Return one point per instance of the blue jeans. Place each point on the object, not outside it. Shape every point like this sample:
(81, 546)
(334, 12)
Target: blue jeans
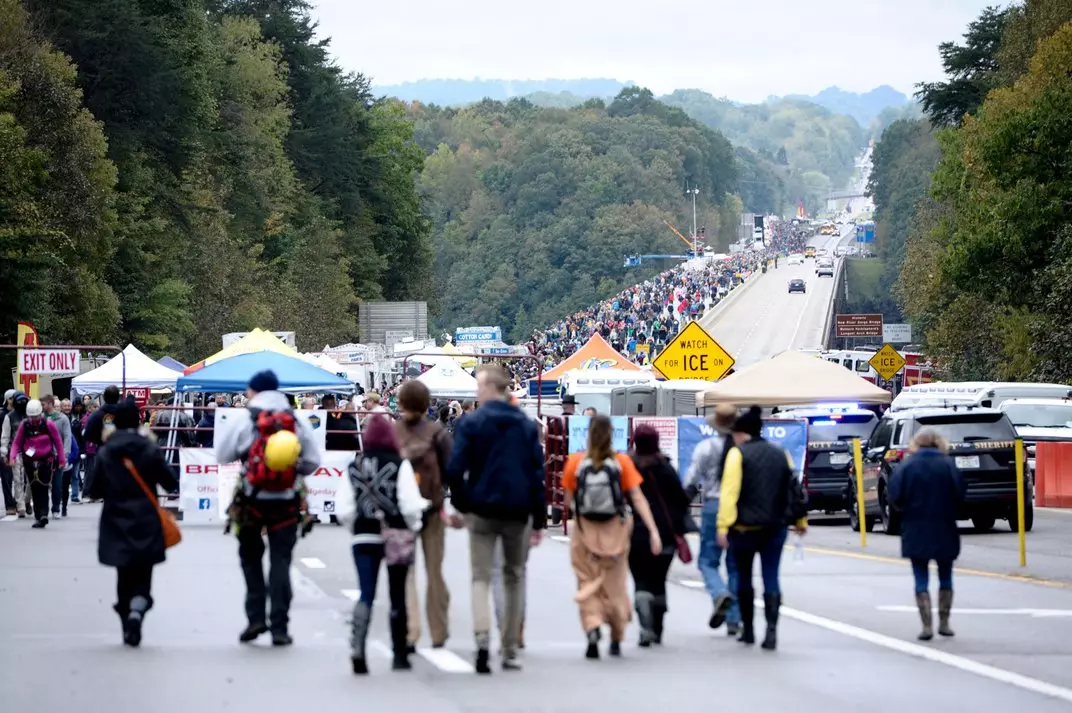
(768, 544)
(710, 558)
(923, 575)
(367, 559)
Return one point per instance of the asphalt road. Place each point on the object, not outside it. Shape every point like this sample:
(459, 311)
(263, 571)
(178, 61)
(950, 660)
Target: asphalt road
(847, 642)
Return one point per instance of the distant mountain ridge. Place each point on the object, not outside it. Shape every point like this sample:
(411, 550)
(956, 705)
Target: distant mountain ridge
(863, 107)
(453, 92)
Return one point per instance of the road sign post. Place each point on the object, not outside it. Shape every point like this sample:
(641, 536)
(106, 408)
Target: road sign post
(887, 362)
(693, 354)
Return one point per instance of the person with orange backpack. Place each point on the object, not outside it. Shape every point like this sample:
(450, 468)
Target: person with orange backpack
(276, 451)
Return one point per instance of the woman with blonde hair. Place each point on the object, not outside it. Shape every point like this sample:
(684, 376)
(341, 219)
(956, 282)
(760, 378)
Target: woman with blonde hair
(597, 483)
(927, 488)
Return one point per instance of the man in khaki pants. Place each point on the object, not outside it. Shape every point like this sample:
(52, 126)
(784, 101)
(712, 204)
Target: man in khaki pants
(426, 445)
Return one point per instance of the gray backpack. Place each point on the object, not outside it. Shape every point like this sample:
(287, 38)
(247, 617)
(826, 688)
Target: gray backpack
(599, 490)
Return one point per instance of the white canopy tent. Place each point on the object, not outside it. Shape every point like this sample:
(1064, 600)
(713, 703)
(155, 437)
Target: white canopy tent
(449, 381)
(792, 379)
(141, 372)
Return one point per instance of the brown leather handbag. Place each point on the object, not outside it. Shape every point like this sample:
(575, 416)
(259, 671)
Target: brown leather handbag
(172, 533)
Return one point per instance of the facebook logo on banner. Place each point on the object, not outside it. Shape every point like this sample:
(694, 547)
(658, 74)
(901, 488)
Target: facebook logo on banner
(204, 504)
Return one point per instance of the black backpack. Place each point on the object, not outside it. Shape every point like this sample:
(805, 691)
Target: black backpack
(599, 490)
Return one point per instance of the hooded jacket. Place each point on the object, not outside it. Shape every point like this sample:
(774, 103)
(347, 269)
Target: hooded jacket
(496, 467)
(237, 438)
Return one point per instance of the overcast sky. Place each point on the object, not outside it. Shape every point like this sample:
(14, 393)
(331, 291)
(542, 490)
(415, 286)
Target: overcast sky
(745, 50)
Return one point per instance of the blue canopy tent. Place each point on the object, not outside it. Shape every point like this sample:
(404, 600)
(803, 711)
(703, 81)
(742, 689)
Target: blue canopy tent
(233, 374)
(173, 364)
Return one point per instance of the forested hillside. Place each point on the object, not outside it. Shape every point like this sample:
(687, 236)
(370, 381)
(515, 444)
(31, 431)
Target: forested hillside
(864, 107)
(987, 267)
(534, 209)
(173, 171)
(459, 92)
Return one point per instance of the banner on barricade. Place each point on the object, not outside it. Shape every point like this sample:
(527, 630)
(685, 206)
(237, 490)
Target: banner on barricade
(666, 426)
(578, 433)
(790, 434)
(316, 420)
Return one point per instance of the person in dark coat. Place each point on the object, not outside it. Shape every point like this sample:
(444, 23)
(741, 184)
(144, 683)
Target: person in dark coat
(927, 489)
(131, 536)
(669, 508)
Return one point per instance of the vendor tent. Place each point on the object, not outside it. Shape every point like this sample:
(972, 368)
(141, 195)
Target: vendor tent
(258, 340)
(466, 359)
(595, 354)
(233, 374)
(173, 364)
(792, 379)
(140, 372)
(449, 381)
(446, 354)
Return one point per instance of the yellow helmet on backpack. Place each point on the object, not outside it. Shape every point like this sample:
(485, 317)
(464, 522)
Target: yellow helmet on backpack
(281, 450)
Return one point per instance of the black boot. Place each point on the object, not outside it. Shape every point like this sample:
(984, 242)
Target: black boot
(658, 612)
(122, 618)
(747, 602)
(358, 634)
(139, 605)
(398, 641)
(592, 652)
(771, 604)
(252, 631)
(644, 603)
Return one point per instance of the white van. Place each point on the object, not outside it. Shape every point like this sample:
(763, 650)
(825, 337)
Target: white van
(592, 387)
(999, 392)
(939, 394)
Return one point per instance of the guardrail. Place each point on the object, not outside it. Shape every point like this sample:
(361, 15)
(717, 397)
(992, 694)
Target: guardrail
(831, 307)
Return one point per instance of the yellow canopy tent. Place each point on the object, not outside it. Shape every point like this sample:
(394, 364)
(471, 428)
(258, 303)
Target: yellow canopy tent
(258, 340)
(466, 361)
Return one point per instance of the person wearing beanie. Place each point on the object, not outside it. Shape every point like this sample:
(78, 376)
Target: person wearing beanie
(389, 511)
(426, 445)
(704, 477)
(131, 537)
(661, 487)
(759, 496)
(278, 511)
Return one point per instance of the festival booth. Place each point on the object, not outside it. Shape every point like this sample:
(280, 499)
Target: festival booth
(449, 381)
(141, 376)
(595, 354)
(258, 340)
(792, 378)
(173, 364)
(447, 354)
(205, 486)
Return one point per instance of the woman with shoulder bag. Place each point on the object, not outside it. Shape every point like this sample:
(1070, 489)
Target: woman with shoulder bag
(126, 472)
(670, 508)
(387, 517)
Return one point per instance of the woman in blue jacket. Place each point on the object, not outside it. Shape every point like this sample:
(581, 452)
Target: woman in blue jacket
(927, 489)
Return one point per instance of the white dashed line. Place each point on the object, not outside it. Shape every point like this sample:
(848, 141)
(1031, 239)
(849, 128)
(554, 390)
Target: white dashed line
(352, 594)
(446, 660)
(560, 538)
(313, 563)
(692, 583)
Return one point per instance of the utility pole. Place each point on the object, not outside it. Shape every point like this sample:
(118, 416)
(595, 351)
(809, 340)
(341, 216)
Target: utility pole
(694, 192)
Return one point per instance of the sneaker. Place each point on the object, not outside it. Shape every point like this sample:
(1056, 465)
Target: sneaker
(733, 630)
(483, 661)
(592, 652)
(38, 524)
(281, 638)
(511, 663)
(721, 606)
(76, 500)
(252, 631)
(401, 663)
(63, 512)
(615, 648)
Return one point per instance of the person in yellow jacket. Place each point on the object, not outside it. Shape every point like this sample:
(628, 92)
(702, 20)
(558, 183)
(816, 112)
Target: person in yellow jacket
(760, 496)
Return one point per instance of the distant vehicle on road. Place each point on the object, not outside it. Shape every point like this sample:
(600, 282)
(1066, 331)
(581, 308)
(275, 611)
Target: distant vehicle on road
(809, 251)
(824, 266)
(796, 259)
(797, 285)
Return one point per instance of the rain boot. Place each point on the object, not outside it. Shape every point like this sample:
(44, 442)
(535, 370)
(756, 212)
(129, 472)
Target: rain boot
(747, 603)
(923, 603)
(771, 604)
(398, 641)
(945, 606)
(359, 625)
(658, 612)
(645, 604)
(139, 605)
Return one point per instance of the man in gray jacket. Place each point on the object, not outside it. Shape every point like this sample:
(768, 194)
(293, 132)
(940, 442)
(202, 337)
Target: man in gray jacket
(279, 511)
(63, 425)
(705, 477)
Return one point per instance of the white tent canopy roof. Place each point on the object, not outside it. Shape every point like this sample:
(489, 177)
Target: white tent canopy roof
(449, 381)
(792, 379)
(141, 372)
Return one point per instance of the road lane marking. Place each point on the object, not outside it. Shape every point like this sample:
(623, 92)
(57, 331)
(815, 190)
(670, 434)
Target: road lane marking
(692, 583)
(352, 594)
(446, 660)
(1035, 613)
(924, 652)
(306, 586)
(1021, 578)
(313, 563)
(560, 538)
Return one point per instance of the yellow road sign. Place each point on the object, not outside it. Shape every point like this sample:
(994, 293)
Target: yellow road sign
(887, 362)
(693, 354)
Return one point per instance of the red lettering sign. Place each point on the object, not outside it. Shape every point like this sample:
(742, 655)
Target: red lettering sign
(198, 469)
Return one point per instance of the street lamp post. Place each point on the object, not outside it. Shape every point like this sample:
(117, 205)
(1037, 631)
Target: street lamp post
(694, 192)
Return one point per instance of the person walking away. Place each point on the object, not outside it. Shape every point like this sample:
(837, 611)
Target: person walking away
(63, 425)
(427, 447)
(927, 489)
(495, 475)
(7, 479)
(276, 451)
(38, 446)
(598, 481)
(131, 537)
(76, 413)
(388, 514)
(661, 487)
(759, 496)
(99, 421)
(705, 477)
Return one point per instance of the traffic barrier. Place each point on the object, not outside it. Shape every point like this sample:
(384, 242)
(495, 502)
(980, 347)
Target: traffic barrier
(1053, 474)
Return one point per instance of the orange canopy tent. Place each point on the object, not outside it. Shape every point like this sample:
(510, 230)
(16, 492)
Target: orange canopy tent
(596, 354)
(256, 341)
